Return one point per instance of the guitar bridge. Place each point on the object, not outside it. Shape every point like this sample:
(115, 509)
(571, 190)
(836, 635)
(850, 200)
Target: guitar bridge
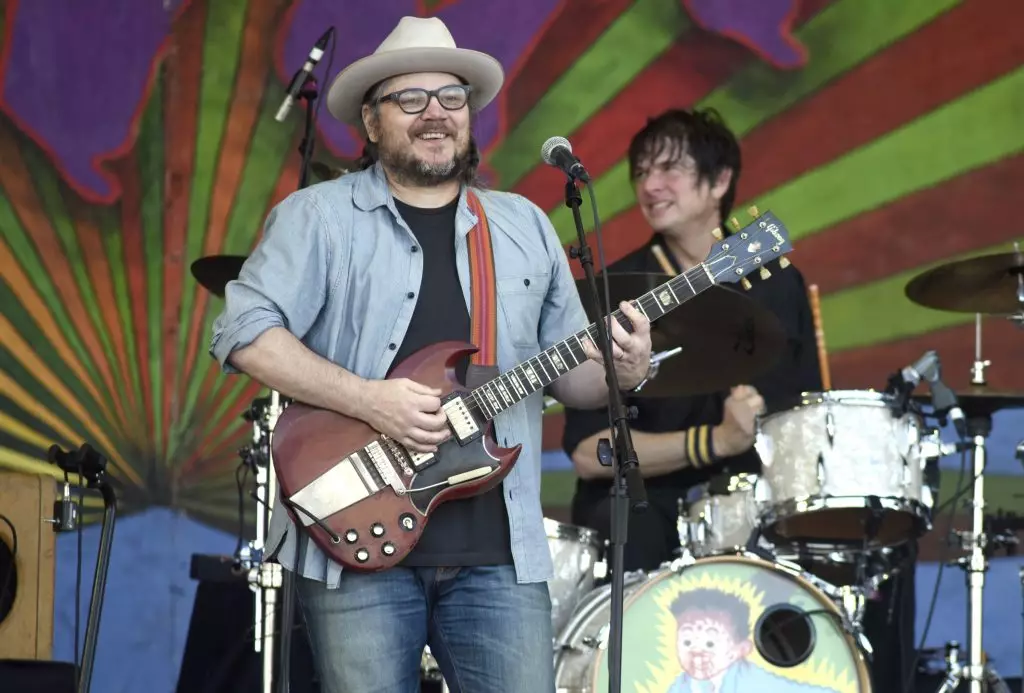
(464, 426)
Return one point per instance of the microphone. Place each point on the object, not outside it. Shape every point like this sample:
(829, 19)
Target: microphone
(557, 152)
(903, 382)
(944, 400)
(300, 77)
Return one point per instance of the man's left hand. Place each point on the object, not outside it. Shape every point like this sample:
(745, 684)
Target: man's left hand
(631, 352)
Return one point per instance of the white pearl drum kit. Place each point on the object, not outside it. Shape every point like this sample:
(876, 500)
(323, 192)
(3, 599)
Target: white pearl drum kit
(774, 569)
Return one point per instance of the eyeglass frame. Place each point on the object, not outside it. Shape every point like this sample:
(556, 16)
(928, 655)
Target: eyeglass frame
(467, 89)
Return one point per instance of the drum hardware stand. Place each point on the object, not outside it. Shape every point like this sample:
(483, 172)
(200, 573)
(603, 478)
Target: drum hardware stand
(627, 485)
(656, 360)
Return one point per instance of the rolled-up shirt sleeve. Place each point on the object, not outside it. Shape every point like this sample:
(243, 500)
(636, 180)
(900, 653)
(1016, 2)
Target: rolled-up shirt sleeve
(282, 284)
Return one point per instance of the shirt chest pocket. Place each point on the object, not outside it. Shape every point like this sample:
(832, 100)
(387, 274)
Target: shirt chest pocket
(521, 298)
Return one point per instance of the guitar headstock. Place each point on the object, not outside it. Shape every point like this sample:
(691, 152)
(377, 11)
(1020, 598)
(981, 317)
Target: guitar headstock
(748, 249)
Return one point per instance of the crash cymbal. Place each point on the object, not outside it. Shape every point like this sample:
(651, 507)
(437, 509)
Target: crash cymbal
(988, 284)
(215, 271)
(721, 337)
(977, 400)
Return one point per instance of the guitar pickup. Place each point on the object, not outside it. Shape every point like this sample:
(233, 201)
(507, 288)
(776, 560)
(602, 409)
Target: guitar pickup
(460, 418)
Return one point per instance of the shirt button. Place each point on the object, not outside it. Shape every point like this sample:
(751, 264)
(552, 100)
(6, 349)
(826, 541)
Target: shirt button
(410, 295)
(414, 249)
(392, 346)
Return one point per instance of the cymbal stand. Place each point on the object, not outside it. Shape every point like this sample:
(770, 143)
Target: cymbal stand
(976, 564)
(265, 577)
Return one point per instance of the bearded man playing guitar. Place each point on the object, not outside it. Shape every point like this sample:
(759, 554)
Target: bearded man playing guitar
(351, 278)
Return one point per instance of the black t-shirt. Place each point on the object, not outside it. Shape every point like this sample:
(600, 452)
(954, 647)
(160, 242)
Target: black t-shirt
(469, 531)
(785, 294)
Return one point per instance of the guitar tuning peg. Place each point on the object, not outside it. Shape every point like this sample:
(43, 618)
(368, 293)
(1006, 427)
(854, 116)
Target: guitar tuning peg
(735, 223)
(752, 211)
(745, 283)
(765, 274)
(783, 262)
(717, 233)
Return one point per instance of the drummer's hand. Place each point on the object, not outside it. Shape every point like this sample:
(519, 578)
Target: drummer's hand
(736, 432)
(632, 352)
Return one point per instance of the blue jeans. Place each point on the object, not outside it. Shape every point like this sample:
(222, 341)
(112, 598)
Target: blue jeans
(488, 633)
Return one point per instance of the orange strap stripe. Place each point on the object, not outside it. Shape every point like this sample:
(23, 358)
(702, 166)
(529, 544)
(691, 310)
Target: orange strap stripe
(483, 314)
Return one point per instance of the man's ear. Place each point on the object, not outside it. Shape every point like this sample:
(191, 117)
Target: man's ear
(370, 123)
(721, 183)
(744, 649)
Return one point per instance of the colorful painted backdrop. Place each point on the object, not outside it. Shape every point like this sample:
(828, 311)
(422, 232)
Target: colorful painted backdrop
(138, 137)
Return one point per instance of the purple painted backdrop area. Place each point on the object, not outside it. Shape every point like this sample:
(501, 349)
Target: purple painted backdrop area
(76, 76)
(758, 24)
(502, 28)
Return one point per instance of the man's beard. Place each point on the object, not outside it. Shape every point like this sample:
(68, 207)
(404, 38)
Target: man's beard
(408, 169)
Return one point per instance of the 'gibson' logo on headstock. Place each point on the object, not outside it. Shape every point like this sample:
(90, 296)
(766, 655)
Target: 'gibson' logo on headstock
(773, 230)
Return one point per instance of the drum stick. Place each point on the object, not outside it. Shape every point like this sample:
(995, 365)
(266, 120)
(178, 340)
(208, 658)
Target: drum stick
(663, 260)
(819, 336)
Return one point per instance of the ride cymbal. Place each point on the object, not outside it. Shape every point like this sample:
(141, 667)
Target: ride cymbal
(716, 340)
(215, 271)
(990, 284)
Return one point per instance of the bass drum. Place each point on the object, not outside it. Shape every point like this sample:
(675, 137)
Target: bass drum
(738, 621)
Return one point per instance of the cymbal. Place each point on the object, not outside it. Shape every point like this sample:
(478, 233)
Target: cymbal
(726, 338)
(977, 400)
(215, 271)
(986, 284)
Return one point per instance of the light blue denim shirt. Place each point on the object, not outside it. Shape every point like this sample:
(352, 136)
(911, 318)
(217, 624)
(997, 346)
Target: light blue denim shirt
(335, 267)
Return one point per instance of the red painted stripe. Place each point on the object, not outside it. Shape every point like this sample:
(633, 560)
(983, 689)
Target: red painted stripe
(955, 217)
(574, 29)
(232, 418)
(483, 292)
(182, 78)
(135, 267)
(906, 81)
(684, 75)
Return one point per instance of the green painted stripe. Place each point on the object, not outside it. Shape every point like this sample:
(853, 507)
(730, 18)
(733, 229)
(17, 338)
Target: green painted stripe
(110, 229)
(24, 251)
(879, 312)
(222, 47)
(634, 41)
(29, 330)
(51, 198)
(907, 160)
(149, 155)
(840, 37)
(269, 148)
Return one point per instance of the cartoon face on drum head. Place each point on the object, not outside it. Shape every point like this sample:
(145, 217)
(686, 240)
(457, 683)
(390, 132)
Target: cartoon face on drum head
(731, 624)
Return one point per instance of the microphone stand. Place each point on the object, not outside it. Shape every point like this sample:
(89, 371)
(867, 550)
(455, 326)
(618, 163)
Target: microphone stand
(627, 484)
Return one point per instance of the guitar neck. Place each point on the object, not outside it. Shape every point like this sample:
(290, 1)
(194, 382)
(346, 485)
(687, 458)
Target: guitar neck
(516, 384)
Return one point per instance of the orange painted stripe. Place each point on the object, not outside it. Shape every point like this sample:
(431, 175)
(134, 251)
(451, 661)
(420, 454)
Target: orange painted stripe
(255, 60)
(90, 239)
(483, 292)
(967, 212)
(19, 189)
(182, 76)
(11, 339)
(135, 267)
(232, 418)
(13, 274)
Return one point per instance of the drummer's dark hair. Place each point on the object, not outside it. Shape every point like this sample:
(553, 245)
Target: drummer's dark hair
(709, 601)
(470, 175)
(700, 133)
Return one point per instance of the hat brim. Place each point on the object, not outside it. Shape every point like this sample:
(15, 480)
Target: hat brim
(345, 97)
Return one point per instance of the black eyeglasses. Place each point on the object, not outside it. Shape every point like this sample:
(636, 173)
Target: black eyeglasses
(415, 100)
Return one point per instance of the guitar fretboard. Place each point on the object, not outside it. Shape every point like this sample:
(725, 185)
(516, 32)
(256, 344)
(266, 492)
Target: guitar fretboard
(516, 384)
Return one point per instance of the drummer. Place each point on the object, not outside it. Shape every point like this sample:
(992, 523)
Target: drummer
(685, 166)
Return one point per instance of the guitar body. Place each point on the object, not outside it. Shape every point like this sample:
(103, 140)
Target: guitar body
(337, 469)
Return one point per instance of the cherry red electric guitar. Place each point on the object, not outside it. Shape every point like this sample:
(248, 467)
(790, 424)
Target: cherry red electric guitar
(365, 499)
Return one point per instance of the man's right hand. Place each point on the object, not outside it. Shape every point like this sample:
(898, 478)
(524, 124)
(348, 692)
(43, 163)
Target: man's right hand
(736, 432)
(408, 412)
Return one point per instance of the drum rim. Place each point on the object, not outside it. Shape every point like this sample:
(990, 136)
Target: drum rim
(656, 576)
(554, 529)
(809, 398)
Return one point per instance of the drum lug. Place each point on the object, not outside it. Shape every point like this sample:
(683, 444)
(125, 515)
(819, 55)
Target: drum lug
(830, 428)
(821, 470)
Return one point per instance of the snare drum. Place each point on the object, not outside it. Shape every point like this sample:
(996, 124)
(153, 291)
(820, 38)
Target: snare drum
(576, 553)
(721, 523)
(751, 624)
(843, 468)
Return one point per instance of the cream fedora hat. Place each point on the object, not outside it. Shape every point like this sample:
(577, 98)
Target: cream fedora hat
(415, 45)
